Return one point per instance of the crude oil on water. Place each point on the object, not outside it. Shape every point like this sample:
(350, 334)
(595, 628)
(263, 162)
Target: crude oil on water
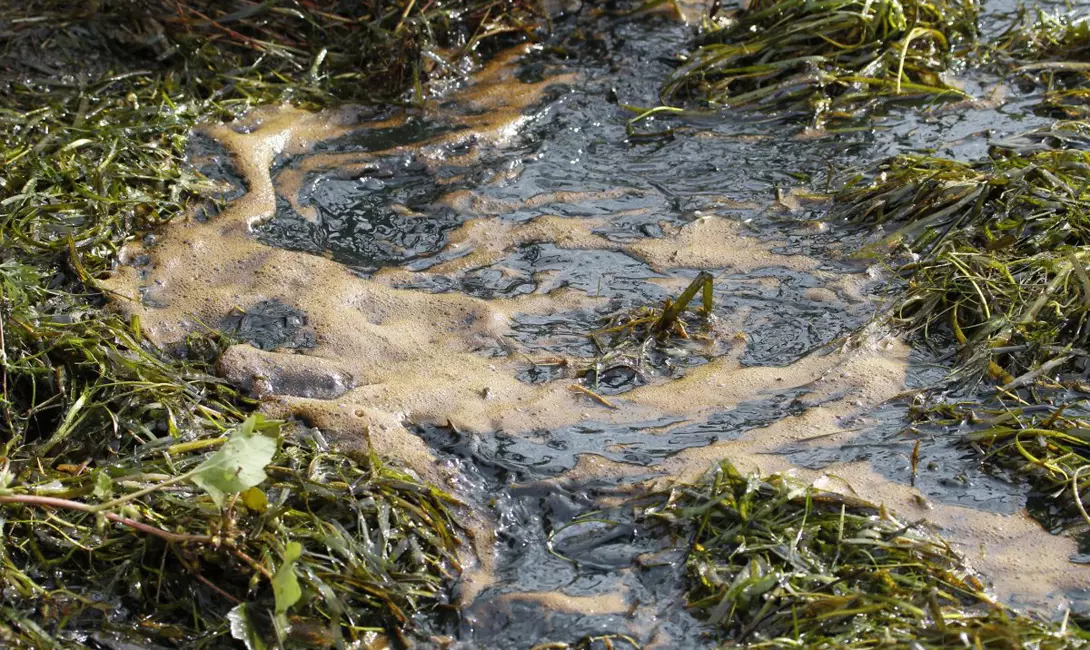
(422, 281)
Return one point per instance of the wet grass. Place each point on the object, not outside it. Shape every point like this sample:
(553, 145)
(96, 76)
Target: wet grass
(1052, 52)
(96, 102)
(995, 252)
(776, 564)
(824, 60)
(1042, 439)
(323, 549)
(995, 259)
(633, 339)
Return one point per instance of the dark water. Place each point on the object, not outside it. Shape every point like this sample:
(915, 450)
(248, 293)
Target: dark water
(576, 142)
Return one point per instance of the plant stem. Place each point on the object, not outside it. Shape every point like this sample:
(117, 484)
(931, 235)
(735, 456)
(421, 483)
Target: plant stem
(54, 502)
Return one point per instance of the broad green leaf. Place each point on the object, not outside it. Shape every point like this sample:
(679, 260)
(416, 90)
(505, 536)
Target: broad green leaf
(243, 629)
(285, 584)
(240, 463)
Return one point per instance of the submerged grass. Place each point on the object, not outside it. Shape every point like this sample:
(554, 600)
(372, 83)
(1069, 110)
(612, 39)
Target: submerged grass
(775, 564)
(999, 251)
(824, 59)
(96, 102)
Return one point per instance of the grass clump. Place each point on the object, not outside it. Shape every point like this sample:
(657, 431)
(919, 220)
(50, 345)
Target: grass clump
(774, 564)
(826, 58)
(312, 51)
(270, 542)
(633, 340)
(999, 251)
(96, 104)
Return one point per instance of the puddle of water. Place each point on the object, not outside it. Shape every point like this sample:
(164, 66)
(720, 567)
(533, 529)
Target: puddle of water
(424, 286)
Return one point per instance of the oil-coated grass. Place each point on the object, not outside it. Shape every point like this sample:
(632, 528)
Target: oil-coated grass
(825, 59)
(776, 564)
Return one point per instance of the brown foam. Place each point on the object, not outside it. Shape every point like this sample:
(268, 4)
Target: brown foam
(607, 603)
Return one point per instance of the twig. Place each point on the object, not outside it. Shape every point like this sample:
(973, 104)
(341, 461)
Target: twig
(591, 394)
(205, 581)
(254, 564)
(1032, 375)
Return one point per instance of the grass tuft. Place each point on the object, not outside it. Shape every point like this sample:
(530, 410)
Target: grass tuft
(1046, 445)
(999, 251)
(636, 338)
(133, 549)
(775, 564)
(824, 59)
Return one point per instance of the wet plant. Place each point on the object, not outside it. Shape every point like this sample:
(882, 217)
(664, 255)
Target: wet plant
(998, 252)
(96, 104)
(1042, 439)
(264, 538)
(819, 60)
(313, 51)
(1050, 51)
(597, 642)
(776, 564)
(630, 338)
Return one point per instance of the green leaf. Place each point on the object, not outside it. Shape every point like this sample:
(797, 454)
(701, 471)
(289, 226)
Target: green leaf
(240, 463)
(243, 628)
(104, 486)
(285, 584)
(255, 500)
